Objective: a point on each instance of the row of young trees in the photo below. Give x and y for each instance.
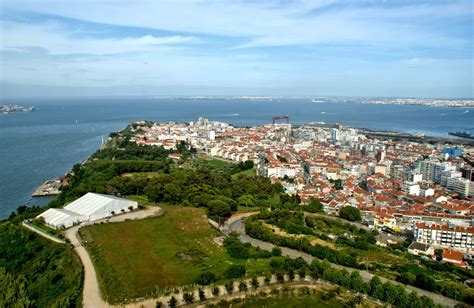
(285, 269)
(413, 275)
(393, 294)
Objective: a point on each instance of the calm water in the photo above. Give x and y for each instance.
(46, 143)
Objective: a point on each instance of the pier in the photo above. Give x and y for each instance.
(48, 188)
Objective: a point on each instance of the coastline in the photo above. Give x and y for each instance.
(370, 133)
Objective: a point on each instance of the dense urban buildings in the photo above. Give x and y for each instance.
(397, 185)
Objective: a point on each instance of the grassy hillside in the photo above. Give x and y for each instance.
(135, 258)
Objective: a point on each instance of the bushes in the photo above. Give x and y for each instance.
(218, 209)
(276, 251)
(350, 213)
(235, 271)
(52, 271)
(387, 292)
(206, 278)
(239, 250)
(255, 229)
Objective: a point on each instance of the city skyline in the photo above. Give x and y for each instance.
(368, 48)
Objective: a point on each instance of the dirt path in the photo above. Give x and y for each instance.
(91, 293)
(42, 233)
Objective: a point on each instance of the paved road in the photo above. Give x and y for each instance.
(42, 233)
(91, 293)
(235, 224)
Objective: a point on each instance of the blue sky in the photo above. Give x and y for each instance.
(238, 47)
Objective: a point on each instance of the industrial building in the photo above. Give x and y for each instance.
(90, 207)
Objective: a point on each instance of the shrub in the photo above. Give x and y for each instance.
(280, 277)
(216, 291)
(242, 286)
(188, 298)
(172, 302)
(267, 279)
(235, 271)
(206, 278)
(229, 287)
(302, 273)
(350, 213)
(276, 251)
(202, 295)
(254, 282)
(291, 274)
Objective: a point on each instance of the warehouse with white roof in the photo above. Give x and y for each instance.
(89, 207)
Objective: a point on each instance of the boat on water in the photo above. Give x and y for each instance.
(462, 134)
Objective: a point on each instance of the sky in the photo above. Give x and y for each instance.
(396, 48)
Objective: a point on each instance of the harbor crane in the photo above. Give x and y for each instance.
(287, 118)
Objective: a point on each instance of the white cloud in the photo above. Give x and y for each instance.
(52, 37)
(263, 22)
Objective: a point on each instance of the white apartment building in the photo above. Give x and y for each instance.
(280, 170)
(460, 185)
(445, 236)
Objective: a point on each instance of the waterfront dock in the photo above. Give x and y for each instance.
(48, 188)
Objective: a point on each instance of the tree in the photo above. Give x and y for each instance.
(390, 293)
(314, 206)
(171, 193)
(280, 277)
(276, 251)
(350, 213)
(235, 271)
(202, 295)
(356, 282)
(345, 279)
(219, 209)
(172, 302)
(158, 304)
(229, 287)
(302, 273)
(206, 278)
(216, 291)
(188, 297)
(267, 279)
(154, 190)
(254, 282)
(291, 274)
(235, 248)
(243, 286)
(425, 282)
(13, 291)
(245, 200)
(376, 288)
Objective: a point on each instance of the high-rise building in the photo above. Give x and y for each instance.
(335, 135)
(380, 156)
(467, 172)
(427, 169)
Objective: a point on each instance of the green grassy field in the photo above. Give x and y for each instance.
(136, 258)
(247, 173)
(213, 164)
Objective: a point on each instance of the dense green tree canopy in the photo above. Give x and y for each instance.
(350, 213)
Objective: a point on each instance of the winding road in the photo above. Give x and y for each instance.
(235, 224)
(92, 297)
